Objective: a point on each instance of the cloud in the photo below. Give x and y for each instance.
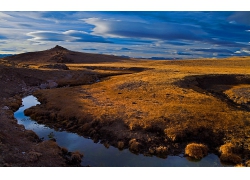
(68, 36)
(178, 43)
(89, 49)
(213, 50)
(155, 30)
(185, 53)
(125, 49)
(243, 52)
(241, 17)
(133, 33)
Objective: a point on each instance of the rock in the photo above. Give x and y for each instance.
(52, 84)
(55, 66)
(5, 108)
(43, 86)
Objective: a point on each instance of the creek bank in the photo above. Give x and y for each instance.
(98, 154)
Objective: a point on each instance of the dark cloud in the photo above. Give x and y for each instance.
(89, 49)
(178, 43)
(184, 53)
(125, 49)
(25, 25)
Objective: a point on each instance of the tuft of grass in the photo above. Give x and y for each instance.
(134, 145)
(196, 151)
(230, 158)
(227, 148)
(120, 145)
(248, 163)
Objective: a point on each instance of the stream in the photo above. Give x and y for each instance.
(97, 155)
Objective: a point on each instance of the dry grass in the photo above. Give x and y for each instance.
(120, 145)
(150, 103)
(228, 148)
(196, 151)
(231, 158)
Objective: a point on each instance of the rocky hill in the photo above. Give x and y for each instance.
(60, 54)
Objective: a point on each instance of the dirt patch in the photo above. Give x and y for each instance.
(233, 88)
(55, 66)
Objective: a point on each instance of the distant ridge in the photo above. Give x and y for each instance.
(59, 54)
(5, 55)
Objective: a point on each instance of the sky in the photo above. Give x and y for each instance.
(137, 34)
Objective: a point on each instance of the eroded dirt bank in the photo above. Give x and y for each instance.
(20, 147)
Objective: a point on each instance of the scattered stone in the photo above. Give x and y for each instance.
(5, 108)
(52, 84)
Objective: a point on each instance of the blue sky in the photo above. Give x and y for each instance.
(140, 34)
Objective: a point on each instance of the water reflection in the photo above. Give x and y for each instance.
(96, 154)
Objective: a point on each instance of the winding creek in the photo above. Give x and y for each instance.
(97, 155)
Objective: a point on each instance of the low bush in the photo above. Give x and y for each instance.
(227, 148)
(196, 151)
(230, 158)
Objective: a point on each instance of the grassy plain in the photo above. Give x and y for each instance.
(161, 105)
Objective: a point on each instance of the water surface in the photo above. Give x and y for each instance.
(96, 154)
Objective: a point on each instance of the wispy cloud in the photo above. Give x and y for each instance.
(137, 34)
(68, 36)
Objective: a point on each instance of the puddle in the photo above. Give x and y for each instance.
(96, 154)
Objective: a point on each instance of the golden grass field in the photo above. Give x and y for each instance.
(157, 108)
(161, 105)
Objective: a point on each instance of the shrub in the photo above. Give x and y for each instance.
(34, 156)
(64, 150)
(231, 158)
(196, 151)
(134, 145)
(31, 135)
(227, 148)
(120, 145)
(248, 163)
(76, 157)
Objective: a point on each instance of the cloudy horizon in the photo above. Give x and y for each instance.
(137, 34)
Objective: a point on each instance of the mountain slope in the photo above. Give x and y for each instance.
(60, 54)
